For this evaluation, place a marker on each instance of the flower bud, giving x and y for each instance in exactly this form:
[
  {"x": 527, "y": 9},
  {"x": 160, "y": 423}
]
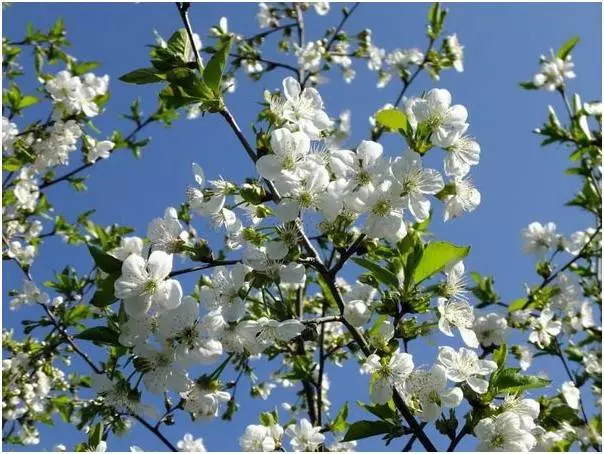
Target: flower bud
[{"x": 356, "y": 312}]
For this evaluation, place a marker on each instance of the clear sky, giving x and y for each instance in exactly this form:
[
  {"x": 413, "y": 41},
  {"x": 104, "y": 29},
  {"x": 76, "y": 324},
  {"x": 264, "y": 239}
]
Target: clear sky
[{"x": 519, "y": 181}]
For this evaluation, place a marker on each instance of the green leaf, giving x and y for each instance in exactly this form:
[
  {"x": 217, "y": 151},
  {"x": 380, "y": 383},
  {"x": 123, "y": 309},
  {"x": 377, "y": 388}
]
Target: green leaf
[
  {"x": 517, "y": 305},
  {"x": 100, "y": 335},
  {"x": 27, "y": 101},
  {"x": 179, "y": 44},
  {"x": 365, "y": 429},
  {"x": 104, "y": 295},
  {"x": 84, "y": 67},
  {"x": 95, "y": 436},
  {"x": 11, "y": 163},
  {"x": 511, "y": 381},
  {"x": 212, "y": 75},
  {"x": 383, "y": 411},
  {"x": 106, "y": 262},
  {"x": 381, "y": 274},
  {"x": 392, "y": 119},
  {"x": 500, "y": 355},
  {"x": 267, "y": 419},
  {"x": 339, "y": 422},
  {"x": 528, "y": 85},
  {"x": 567, "y": 47},
  {"x": 437, "y": 255},
  {"x": 142, "y": 76}
]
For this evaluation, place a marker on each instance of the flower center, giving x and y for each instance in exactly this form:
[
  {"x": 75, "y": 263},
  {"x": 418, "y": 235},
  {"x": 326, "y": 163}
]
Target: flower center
[
  {"x": 363, "y": 178},
  {"x": 497, "y": 440},
  {"x": 150, "y": 287},
  {"x": 381, "y": 208},
  {"x": 288, "y": 163},
  {"x": 305, "y": 199}
]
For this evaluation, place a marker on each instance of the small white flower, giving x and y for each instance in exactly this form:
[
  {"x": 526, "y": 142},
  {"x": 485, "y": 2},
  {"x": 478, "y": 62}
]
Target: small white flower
[
  {"x": 204, "y": 403},
  {"x": 463, "y": 154},
  {"x": 166, "y": 233},
  {"x": 321, "y": 8},
  {"x": 304, "y": 108},
  {"x": 415, "y": 183},
  {"x": 466, "y": 198},
  {"x": 426, "y": 392},
  {"x": 226, "y": 290},
  {"x": 144, "y": 284},
  {"x": 266, "y": 18},
  {"x": 386, "y": 374},
  {"x": 544, "y": 328},
  {"x": 191, "y": 444},
  {"x": 455, "y": 51},
  {"x": 447, "y": 122},
  {"x": 356, "y": 312},
  {"x": 304, "y": 437},
  {"x": 161, "y": 371},
  {"x": 490, "y": 329},
  {"x": 128, "y": 245},
  {"x": 98, "y": 150},
  {"x": 192, "y": 346},
  {"x": 257, "y": 438},
  {"x": 525, "y": 357},
  {"x": 458, "y": 314},
  {"x": 503, "y": 433},
  {"x": 572, "y": 394},
  {"x": 526, "y": 409},
  {"x": 464, "y": 366},
  {"x": 554, "y": 72},
  {"x": 385, "y": 208},
  {"x": 578, "y": 240},
  {"x": 289, "y": 150},
  {"x": 538, "y": 239}
]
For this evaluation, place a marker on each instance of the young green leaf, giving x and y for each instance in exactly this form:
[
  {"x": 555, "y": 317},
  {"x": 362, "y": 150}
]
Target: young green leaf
[
  {"x": 381, "y": 274},
  {"x": 567, "y": 47},
  {"x": 366, "y": 429},
  {"x": 392, "y": 119},
  {"x": 214, "y": 71},
  {"x": 437, "y": 255},
  {"x": 511, "y": 381},
  {"x": 104, "y": 295},
  {"x": 142, "y": 76},
  {"x": 100, "y": 335},
  {"x": 106, "y": 262}
]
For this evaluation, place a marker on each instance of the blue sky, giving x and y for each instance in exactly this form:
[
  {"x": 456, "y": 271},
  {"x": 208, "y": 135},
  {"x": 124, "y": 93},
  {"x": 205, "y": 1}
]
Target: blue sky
[{"x": 519, "y": 181}]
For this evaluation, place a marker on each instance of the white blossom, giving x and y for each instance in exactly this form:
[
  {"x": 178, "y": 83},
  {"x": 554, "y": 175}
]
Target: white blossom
[
  {"x": 539, "y": 239},
  {"x": 544, "y": 328},
  {"x": 455, "y": 51},
  {"x": 257, "y": 438},
  {"x": 503, "y": 433},
  {"x": 166, "y": 234},
  {"x": 426, "y": 392},
  {"x": 572, "y": 394},
  {"x": 446, "y": 122},
  {"x": 304, "y": 108},
  {"x": 490, "y": 329},
  {"x": 458, "y": 314},
  {"x": 415, "y": 183},
  {"x": 465, "y": 366},
  {"x": 466, "y": 198},
  {"x": 304, "y": 437},
  {"x": 386, "y": 374},
  {"x": 145, "y": 283},
  {"x": 191, "y": 444},
  {"x": 554, "y": 72},
  {"x": 98, "y": 150}
]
